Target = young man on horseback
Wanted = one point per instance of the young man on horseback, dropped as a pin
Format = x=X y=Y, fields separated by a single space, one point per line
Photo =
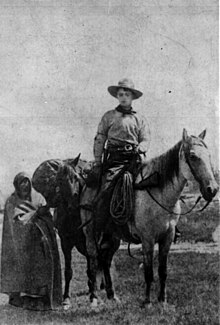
x=123 y=136
x=122 y=139
x=122 y=132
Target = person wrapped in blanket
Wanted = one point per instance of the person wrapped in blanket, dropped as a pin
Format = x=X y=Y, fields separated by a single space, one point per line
x=30 y=264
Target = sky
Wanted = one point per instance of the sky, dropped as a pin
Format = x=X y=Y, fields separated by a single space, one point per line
x=57 y=59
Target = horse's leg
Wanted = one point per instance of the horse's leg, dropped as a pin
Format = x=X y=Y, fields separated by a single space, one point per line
x=108 y=280
x=92 y=272
x=148 y=250
x=92 y=263
x=164 y=247
x=90 y=243
x=68 y=273
x=106 y=261
x=88 y=271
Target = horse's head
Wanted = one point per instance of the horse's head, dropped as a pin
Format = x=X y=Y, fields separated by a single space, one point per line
x=195 y=160
x=69 y=183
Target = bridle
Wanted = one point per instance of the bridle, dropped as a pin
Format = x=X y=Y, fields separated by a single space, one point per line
x=180 y=214
x=166 y=208
x=79 y=178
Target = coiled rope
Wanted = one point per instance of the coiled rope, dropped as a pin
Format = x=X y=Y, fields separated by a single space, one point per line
x=122 y=202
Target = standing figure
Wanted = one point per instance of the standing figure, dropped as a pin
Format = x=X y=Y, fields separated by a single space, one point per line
x=30 y=264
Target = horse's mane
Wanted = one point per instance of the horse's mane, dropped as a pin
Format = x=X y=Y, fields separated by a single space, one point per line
x=80 y=165
x=166 y=165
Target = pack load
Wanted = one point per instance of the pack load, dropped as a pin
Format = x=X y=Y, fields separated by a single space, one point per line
x=45 y=177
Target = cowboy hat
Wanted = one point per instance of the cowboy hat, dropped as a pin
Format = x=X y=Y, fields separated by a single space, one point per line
x=127 y=84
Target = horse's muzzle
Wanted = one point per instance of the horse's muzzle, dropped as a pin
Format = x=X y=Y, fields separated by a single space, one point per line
x=210 y=190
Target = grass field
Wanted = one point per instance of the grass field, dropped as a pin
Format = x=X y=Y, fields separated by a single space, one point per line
x=198 y=226
x=192 y=295
x=193 y=287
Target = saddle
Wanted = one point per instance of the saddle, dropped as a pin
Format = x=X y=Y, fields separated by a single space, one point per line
x=119 y=194
x=122 y=204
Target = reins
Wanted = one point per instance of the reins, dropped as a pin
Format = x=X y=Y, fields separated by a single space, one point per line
x=179 y=214
x=135 y=258
x=129 y=253
x=167 y=209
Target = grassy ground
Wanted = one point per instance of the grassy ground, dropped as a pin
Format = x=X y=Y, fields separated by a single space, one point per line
x=199 y=226
x=193 y=287
x=192 y=295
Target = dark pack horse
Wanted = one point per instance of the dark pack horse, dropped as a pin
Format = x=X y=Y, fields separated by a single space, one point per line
x=68 y=222
x=157 y=209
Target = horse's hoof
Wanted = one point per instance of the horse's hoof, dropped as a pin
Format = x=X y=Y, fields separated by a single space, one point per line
x=149 y=306
x=94 y=303
x=163 y=304
x=141 y=266
x=161 y=300
x=167 y=307
x=117 y=300
x=146 y=304
x=66 y=304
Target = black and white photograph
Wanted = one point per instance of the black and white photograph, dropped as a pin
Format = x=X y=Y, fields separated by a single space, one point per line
x=109 y=169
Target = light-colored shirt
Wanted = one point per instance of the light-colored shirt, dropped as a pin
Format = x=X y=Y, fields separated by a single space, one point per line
x=116 y=129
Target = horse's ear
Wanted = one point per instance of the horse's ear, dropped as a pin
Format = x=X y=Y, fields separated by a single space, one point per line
x=76 y=160
x=202 y=135
x=185 y=135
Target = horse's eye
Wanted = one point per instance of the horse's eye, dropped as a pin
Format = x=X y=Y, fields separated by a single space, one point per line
x=193 y=157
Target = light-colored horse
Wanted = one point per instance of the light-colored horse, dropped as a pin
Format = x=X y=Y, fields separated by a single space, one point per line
x=189 y=157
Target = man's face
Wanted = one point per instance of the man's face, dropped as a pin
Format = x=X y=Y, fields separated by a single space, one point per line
x=25 y=187
x=125 y=98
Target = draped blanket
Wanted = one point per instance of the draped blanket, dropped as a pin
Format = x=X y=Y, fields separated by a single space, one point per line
x=30 y=260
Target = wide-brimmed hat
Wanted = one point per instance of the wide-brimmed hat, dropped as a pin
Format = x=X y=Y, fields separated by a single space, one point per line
x=127 y=84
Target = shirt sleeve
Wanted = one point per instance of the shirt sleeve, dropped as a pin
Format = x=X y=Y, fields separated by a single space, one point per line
x=100 y=139
x=144 y=137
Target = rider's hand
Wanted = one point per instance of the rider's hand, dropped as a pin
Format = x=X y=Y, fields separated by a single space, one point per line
x=94 y=176
x=97 y=170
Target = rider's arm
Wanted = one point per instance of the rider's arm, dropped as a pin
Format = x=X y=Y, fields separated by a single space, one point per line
x=100 y=140
x=144 y=136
